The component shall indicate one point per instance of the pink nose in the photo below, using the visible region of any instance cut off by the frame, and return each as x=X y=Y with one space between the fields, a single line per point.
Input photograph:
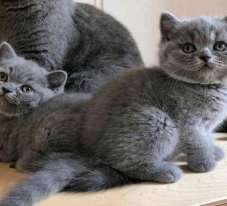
x=205 y=57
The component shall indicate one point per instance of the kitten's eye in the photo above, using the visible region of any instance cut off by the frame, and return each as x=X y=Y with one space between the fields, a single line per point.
x=26 y=89
x=220 y=46
x=188 y=48
x=3 y=77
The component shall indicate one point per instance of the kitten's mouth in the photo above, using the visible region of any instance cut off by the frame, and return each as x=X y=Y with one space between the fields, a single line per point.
x=12 y=99
x=206 y=68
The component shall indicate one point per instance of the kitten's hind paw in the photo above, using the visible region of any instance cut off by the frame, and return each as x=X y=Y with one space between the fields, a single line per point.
x=201 y=164
x=218 y=153
x=167 y=173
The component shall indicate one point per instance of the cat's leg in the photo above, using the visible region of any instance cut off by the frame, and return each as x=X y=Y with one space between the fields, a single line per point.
x=210 y=126
x=138 y=143
x=5 y=157
x=8 y=154
x=160 y=171
x=218 y=153
x=199 y=147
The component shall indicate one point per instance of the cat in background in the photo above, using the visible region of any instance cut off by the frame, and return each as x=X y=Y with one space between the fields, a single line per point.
x=87 y=43
x=135 y=124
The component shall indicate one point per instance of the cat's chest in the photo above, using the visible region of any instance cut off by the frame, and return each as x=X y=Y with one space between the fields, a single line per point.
x=201 y=105
x=6 y=128
x=215 y=113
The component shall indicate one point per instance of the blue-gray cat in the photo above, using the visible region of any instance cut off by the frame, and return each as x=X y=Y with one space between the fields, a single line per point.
x=24 y=86
x=135 y=124
x=78 y=38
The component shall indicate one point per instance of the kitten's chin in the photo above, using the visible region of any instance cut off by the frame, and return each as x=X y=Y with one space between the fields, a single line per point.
x=9 y=110
x=203 y=76
x=206 y=69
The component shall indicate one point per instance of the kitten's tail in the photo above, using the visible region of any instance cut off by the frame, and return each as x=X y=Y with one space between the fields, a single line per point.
x=64 y=172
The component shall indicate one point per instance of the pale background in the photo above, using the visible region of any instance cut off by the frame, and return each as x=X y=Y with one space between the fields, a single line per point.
x=141 y=17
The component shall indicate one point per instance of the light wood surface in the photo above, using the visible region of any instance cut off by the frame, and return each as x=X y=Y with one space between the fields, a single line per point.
x=193 y=189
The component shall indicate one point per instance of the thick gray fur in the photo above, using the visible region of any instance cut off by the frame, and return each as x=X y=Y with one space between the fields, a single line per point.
x=135 y=124
x=78 y=38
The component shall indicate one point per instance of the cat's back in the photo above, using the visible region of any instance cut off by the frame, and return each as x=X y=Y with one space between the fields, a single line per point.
x=102 y=38
x=38 y=29
x=136 y=87
x=135 y=84
x=59 y=110
x=62 y=103
x=88 y=17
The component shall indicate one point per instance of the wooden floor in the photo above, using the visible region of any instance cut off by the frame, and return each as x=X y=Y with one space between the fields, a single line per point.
x=193 y=189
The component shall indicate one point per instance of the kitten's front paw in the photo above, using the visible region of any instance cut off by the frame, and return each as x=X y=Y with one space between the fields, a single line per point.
x=167 y=173
x=201 y=164
x=218 y=153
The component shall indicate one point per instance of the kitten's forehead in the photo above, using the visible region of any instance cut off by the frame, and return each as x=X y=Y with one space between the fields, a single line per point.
x=202 y=30
x=27 y=71
x=28 y=75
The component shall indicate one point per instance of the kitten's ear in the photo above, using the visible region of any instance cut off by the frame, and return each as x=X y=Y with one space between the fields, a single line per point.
x=168 y=23
x=6 y=51
x=56 y=79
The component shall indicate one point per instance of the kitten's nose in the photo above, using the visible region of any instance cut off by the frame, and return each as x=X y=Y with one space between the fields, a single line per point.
x=205 y=57
x=5 y=90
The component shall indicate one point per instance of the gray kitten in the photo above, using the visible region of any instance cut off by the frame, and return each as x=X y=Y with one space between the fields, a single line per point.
x=78 y=38
x=24 y=86
x=130 y=130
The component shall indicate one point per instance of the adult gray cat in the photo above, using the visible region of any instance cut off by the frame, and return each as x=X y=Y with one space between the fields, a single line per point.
x=78 y=38
x=135 y=124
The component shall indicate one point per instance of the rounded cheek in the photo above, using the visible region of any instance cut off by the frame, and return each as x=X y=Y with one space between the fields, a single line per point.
x=223 y=58
x=181 y=59
x=220 y=55
x=24 y=97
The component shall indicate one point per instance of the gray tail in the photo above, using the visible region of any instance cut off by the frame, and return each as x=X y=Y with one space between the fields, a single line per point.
x=64 y=172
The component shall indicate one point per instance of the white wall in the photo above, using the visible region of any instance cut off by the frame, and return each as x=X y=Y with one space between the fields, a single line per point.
x=142 y=18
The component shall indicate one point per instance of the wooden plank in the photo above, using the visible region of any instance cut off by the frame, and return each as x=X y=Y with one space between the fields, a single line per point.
x=193 y=189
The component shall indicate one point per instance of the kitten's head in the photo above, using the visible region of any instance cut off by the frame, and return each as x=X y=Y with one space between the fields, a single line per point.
x=25 y=85
x=194 y=51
